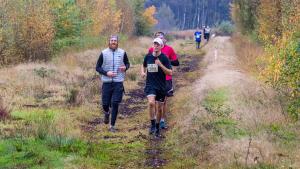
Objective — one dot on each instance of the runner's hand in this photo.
(122, 68)
(111, 74)
(157, 61)
(143, 74)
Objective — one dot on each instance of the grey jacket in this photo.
(111, 60)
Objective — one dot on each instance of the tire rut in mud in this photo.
(135, 102)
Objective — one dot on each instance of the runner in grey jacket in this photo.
(112, 65)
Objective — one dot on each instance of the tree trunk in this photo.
(184, 19)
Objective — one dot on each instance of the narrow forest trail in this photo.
(220, 117)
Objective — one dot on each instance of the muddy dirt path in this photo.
(135, 105)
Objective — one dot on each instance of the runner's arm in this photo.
(166, 67)
(126, 61)
(144, 68)
(166, 70)
(175, 62)
(173, 58)
(99, 68)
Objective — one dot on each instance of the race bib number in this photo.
(197, 36)
(152, 68)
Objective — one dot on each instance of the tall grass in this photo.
(47, 140)
(215, 102)
(59, 152)
(225, 28)
(248, 54)
(4, 111)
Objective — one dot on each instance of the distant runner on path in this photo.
(197, 36)
(206, 33)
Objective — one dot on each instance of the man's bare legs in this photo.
(151, 107)
(164, 112)
(159, 111)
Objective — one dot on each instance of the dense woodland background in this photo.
(190, 14)
(275, 24)
(37, 30)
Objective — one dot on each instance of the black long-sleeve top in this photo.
(100, 62)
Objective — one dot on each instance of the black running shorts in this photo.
(159, 95)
